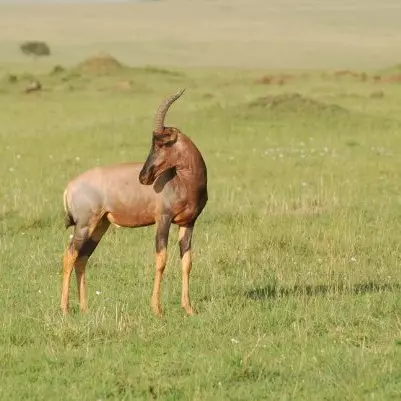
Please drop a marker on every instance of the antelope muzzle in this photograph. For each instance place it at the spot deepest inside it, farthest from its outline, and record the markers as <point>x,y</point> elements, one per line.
<point>147,175</point>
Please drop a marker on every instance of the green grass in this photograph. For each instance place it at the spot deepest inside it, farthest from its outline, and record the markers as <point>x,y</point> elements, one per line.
<point>296,276</point>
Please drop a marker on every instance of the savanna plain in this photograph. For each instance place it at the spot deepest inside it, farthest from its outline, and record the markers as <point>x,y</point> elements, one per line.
<point>296,278</point>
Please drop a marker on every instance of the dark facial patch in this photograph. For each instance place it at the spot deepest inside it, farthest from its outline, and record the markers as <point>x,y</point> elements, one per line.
<point>146,173</point>
<point>159,156</point>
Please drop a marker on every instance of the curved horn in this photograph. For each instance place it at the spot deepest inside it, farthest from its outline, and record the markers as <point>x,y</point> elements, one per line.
<point>162,110</point>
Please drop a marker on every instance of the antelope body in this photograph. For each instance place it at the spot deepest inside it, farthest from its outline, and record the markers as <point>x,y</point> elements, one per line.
<point>170,187</point>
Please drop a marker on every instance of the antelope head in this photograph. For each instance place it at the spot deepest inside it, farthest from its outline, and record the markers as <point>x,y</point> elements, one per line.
<point>163,153</point>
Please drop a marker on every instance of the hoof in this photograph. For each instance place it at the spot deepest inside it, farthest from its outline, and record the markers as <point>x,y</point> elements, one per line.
<point>156,309</point>
<point>65,311</point>
<point>188,310</point>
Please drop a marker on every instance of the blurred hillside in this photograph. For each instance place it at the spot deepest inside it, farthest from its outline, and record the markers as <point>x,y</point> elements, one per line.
<point>253,33</point>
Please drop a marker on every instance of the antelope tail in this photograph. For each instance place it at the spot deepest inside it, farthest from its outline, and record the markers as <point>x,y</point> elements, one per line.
<point>68,219</point>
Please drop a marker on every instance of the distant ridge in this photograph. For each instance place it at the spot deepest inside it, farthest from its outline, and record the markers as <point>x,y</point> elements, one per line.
<point>70,1</point>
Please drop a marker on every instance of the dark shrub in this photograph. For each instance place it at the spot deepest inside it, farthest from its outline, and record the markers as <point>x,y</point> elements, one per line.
<point>35,48</point>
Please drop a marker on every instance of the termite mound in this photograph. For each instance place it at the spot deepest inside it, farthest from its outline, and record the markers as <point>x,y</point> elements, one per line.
<point>294,102</point>
<point>102,63</point>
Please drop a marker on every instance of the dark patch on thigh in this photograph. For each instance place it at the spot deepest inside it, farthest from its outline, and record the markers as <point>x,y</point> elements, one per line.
<point>87,248</point>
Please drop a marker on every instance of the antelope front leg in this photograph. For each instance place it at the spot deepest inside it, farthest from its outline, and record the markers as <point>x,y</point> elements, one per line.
<point>185,236</point>
<point>162,231</point>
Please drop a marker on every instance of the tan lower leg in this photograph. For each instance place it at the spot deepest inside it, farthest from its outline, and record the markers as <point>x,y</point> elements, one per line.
<point>80,265</point>
<point>161,259</point>
<point>69,260</point>
<point>186,261</point>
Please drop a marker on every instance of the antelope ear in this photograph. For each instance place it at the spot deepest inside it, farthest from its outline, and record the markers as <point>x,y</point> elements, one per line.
<point>169,135</point>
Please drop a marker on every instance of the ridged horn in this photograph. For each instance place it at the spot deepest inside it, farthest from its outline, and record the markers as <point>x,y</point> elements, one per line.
<point>162,111</point>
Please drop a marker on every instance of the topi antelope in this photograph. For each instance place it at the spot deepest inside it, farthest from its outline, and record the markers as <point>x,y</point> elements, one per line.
<point>171,187</point>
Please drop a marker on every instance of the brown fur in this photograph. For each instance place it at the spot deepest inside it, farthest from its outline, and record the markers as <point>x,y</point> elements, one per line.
<point>170,187</point>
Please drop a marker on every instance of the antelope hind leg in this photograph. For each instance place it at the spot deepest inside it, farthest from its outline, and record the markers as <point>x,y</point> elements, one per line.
<point>70,256</point>
<point>86,250</point>
<point>82,245</point>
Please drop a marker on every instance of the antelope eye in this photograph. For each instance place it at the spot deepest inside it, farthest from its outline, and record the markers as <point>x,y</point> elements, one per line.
<point>164,144</point>
<point>168,144</point>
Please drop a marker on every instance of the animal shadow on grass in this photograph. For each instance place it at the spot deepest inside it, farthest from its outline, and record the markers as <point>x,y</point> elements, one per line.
<point>274,291</point>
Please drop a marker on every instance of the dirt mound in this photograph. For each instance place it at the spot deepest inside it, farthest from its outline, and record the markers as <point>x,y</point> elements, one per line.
<point>124,85</point>
<point>395,78</point>
<point>359,76</point>
<point>377,95</point>
<point>294,102</point>
<point>101,63</point>
<point>391,74</point>
<point>280,79</point>
<point>346,73</point>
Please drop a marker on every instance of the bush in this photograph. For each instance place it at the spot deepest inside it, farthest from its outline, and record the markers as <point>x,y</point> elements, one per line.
<point>57,69</point>
<point>12,78</point>
<point>35,48</point>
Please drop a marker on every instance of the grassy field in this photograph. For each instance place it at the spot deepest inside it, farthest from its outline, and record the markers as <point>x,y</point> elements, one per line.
<point>296,276</point>
<point>297,272</point>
